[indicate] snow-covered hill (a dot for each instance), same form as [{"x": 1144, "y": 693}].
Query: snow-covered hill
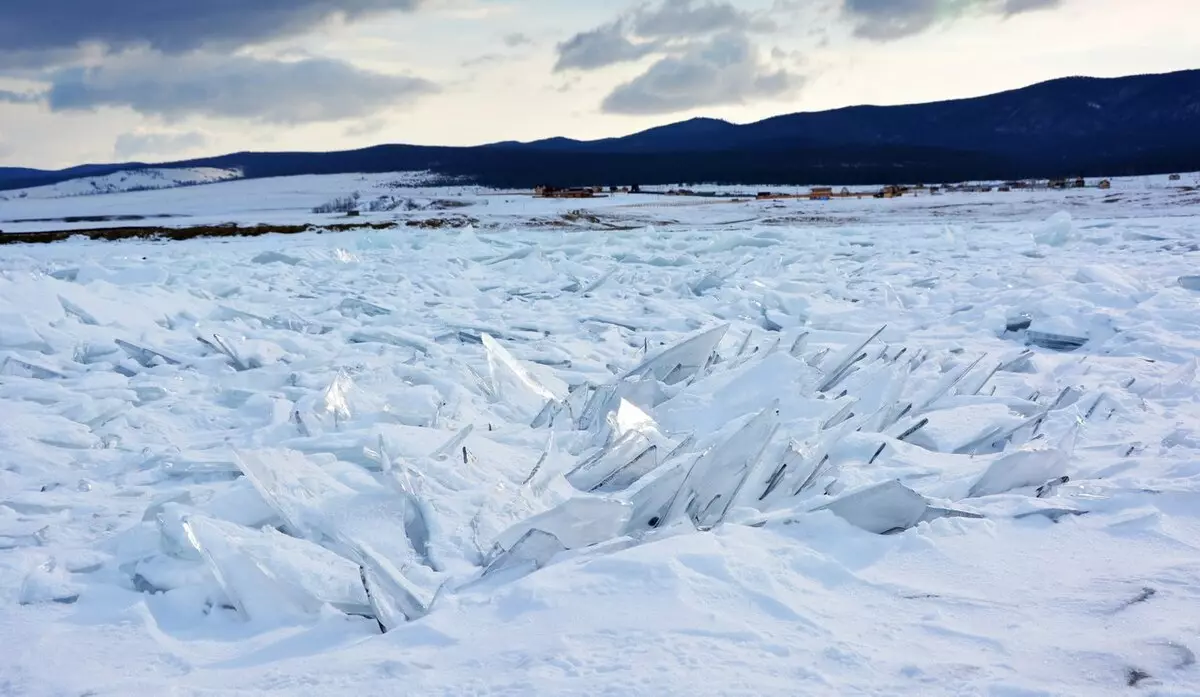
[{"x": 130, "y": 180}]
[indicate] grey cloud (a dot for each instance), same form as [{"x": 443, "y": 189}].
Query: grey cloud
[
  {"x": 654, "y": 28},
  {"x": 675, "y": 18},
  {"x": 600, "y": 47},
  {"x": 9, "y": 97},
  {"x": 723, "y": 70},
  {"x": 887, "y": 20},
  {"x": 1016, "y": 7},
  {"x": 129, "y": 145},
  {"x": 46, "y": 28},
  {"x": 517, "y": 39},
  {"x": 174, "y": 87}
]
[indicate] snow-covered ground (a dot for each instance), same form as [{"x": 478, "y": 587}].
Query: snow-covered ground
[
  {"x": 755, "y": 448},
  {"x": 149, "y": 179},
  {"x": 292, "y": 201}
]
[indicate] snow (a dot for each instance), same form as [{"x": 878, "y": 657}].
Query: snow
[
  {"x": 761, "y": 448},
  {"x": 150, "y": 178}
]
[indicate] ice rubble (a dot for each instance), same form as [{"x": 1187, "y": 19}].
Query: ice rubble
[{"x": 827, "y": 432}]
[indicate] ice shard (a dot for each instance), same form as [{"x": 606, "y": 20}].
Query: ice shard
[
  {"x": 1189, "y": 282},
  {"x": 577, "y": 522},
  {"x": 683, "y": 360},
  {"x": 1027, "y": 467},
  {"x": 510, "y": 380},
  {"x": 717, "y": 478},
  {"x": 534, "y": 550},
  {"x": 358, "y": 306},
  {"x": 293, "y": 487},
  {"x": 1055, "y": 342},
  {"x": 147, "y": 358},
  {"x": 880, "y": 508},
  {"x": 270, "y": 575}
]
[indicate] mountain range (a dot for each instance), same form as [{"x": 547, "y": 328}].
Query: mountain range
[{"x": 1071, "y": 126}]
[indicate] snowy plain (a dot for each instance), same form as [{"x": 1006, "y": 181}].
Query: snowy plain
[{"x": 666, "y": 447}]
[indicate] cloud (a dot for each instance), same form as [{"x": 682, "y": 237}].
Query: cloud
[
  {"x": 239, "y": 87},
  {"x": 1016, "y": 7},
  {"x": 654, "y": 28},
  {"x": 517, "y": 39},
  {"x": 131, "y": 145},
  {"x": 9, "y": 97},
  {"x": 685, "y": 18},
  {"x": 888, "y": 20},
  {"x": 721, "y": 71},
  {"x": 48, "y": 27},
  {"x": 600, "y": 47}
]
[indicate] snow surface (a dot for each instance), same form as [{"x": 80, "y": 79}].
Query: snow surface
[
  {"x": 151, "y": 178},
  {"x": 203, "y": 441}
]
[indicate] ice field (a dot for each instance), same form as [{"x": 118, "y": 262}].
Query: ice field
[{"x": 930, "y": 446}]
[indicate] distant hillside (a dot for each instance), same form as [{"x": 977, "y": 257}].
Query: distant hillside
[
  {"x": 1072, "y": 126},
  {"x": 127, "y": 180}
]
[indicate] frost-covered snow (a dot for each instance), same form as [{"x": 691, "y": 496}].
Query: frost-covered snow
[
  {"x": 151, "y": 178},
  {"x": 708, "y": 456}
]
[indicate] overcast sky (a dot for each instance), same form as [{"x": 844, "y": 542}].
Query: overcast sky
[{"x": 152, "y": 80}]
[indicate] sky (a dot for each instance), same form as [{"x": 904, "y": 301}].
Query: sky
[{"x": 157, "y": 80}]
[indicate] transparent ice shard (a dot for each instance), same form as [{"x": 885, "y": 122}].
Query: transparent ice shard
[
  {"x": 577, "y": 522},
  {"x": 1189, "y": 282},
  {"x": 880, "y": 508},
  {"x": 77, "y": 312},
  {"x": 294, "y": 488},
  {"x": 357, "y": 306},
  {"x": 391, "y": 337},
  {"x": 1030, "y": 466},
  {"x": 840, "y": 365},
  {"x": 718, "y": 477},
  {"x": 652, "y": 496},
  {"x": 220, "y": 345},
  {"x": 266, "y": 572},
  {"x": 683, "y": 360},
  {"x": 533, "y": 551},
  {"x": 451, "y": 447},
  {"x": 1055, "y": 342},
  {"x": 147, "y": 358},
  {"x": 335, "y": 400},
  {"x": 392, "y": 598},
  {"x": 48, "y": 583},
  {"x": 18, "y": 368},
  {"x": 293, "y": 322},
  {"x": 511, "y": 381}
]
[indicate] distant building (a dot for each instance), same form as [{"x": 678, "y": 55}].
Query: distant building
[
  {"x": 1174, "y": 177},
  {"x": 821, "y": 193},
  {"x": 1080, "y": 183},
  {"x": 1105, "y": 184}
]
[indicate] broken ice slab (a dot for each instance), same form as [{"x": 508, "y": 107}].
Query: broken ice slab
[
  {"x": 533, "y": 551},
  {"x": 18, "y": 368},
  {"x": 1055, "y": 342},
  {"x": 1026, "y": 467},
  {"x": 48, "y": 583},
  {"x": 390, "y": 337},
  {"x": 394, "y": 600},
  {"x": 147, "y": 358},
  {"x": 270, "y": 576},
  {"x": 717, "y": 478},
  {"x": 272, "y": 257},
  {"x": 357, "y": 306},
  {"x": 880, "y": 508},
  {"x": 653, "y": 495},
  {"x": 293, "y": 322},
  {"x": 1019, "y": 322},
  {"x": 1189, "y": 282},
  {"x": 293, "y": 487},
  {"x": 683, "y": 360},
  {"x": 577, "y": 522},
  {"x": 840, "y": 364},
  {"x": 511, "y": 381}
]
